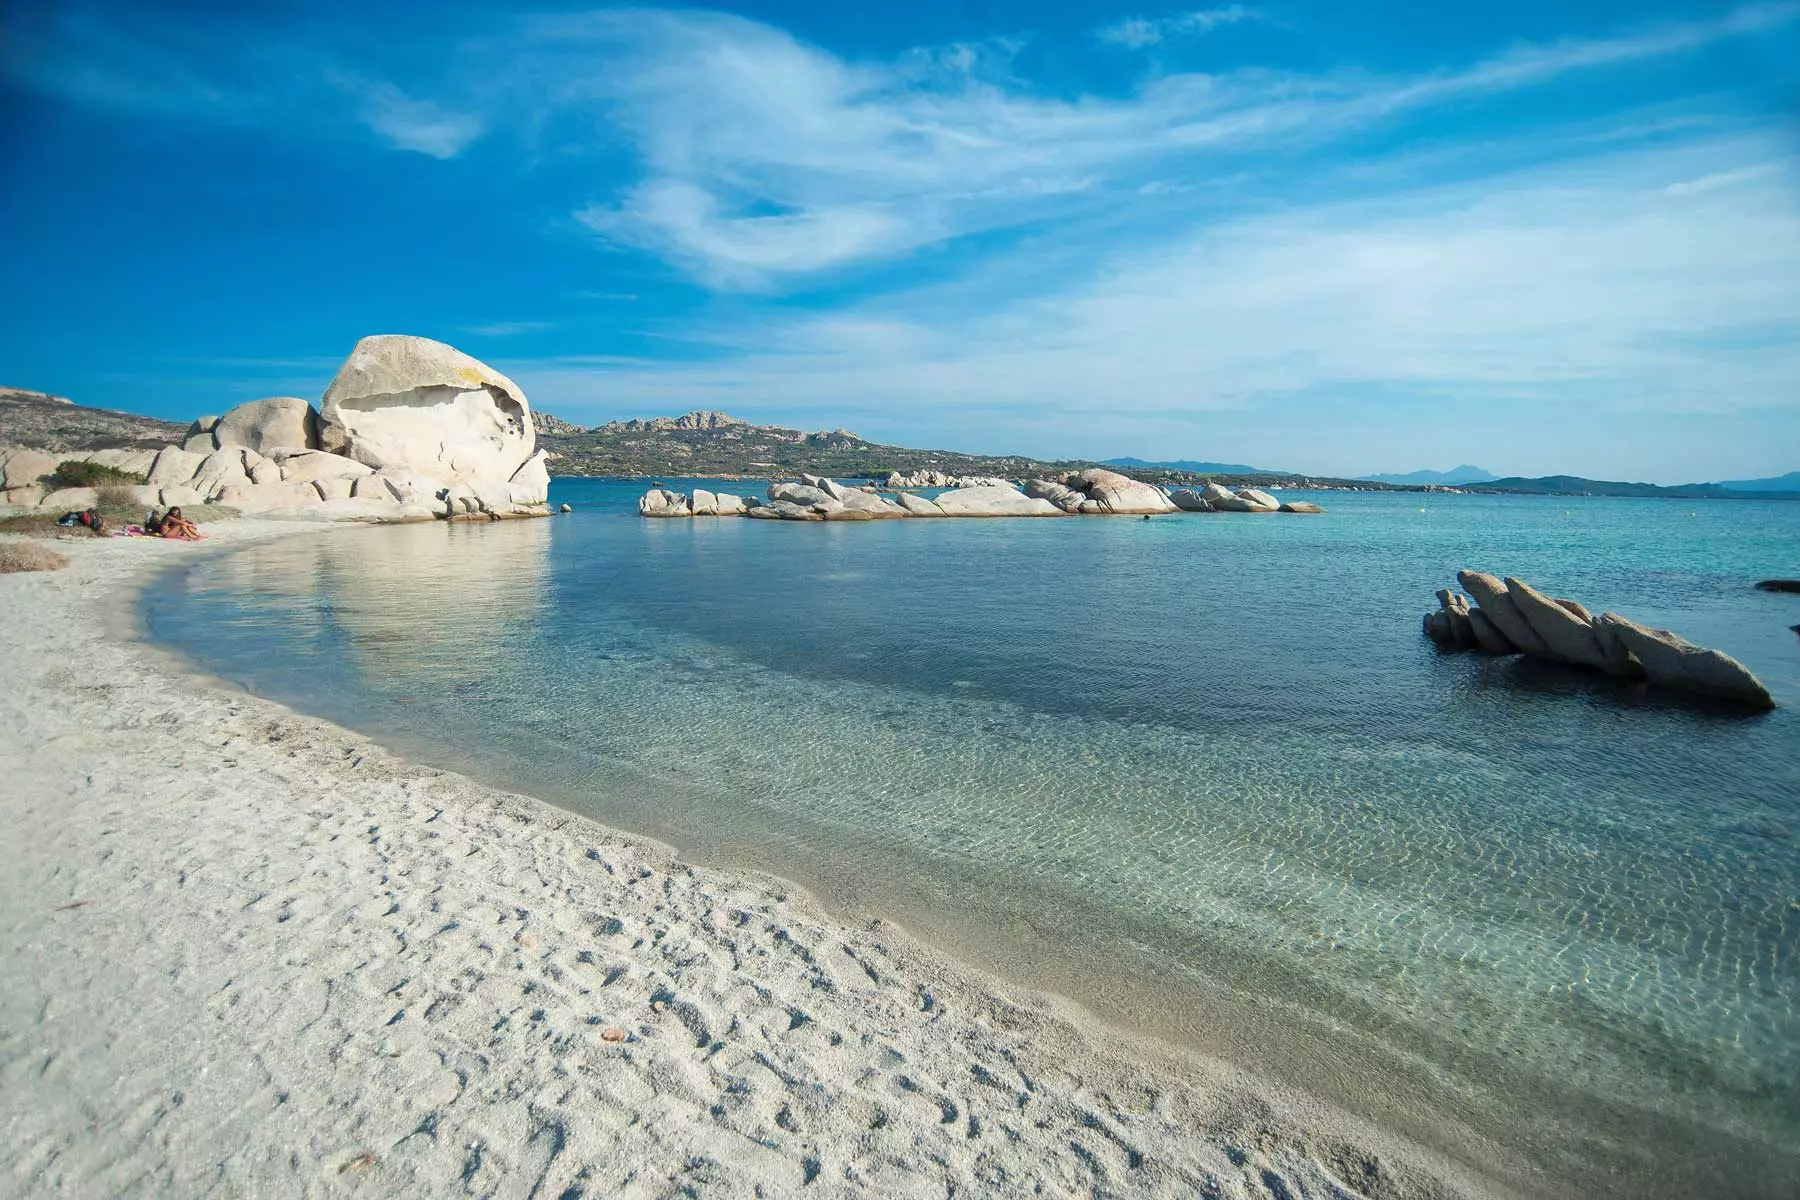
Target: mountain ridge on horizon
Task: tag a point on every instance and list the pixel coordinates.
(1466, 473)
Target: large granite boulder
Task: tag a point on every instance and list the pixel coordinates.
(24, 468)
(1300, 506)
(277, 423)
(730, 505)
(803, 494)
(1060, 494)
(1490, 593)
(261, 497)
(1677, 663)
(133, 462)
(990, 501)
(785, 510)
(199, 438)
(413, 406)
(1488, 635)
(660, 502)
(174, 466)
(918, 506)
(309, 465)
(1111, 492)
(1190, 501)
(1261, 499)
(219, 469)
(530, 484)
(65, 499)
(1568, 635)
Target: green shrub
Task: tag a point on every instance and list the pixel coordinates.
(77, 473)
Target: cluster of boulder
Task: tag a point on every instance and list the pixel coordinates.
(1216, 498)
(410, 429)
(1095, 491)
(1510, 616)
(937, 479)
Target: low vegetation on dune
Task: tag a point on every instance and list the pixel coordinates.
(28, 556)
(77, 472)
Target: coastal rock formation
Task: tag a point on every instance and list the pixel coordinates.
(1568, 635)
(1300, 506)
(995, 500)
(1111, 492)
(1675, 662)
(1513, 617)
(919, 506)
(411, 429)
(815, 498)
(659, 502)
(414, 406)
(278, 423)
(22, 468)
(1491, 595)
(1250, 500)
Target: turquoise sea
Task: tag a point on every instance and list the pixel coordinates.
(1201, 773)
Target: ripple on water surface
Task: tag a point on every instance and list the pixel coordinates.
(1212, 752)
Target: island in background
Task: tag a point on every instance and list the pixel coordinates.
(715, 445)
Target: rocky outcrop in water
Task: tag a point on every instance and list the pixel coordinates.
(411, 429)
(1512, 617)
(813, 498)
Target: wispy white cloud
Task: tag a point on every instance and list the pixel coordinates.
(766, 160)
(406, 122)
(509, 328)
(1136, 33)
(1509, 308)
(757, 161)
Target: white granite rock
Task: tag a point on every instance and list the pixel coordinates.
(422, 406)
(277, 423)
(995, 501)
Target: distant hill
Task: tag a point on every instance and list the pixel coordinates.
(1188, 465)
(1575, 485)
(1455, 475)
(1779, 483)
(703, 444)
(46, 422)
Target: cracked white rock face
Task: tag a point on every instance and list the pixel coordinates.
(414, 407)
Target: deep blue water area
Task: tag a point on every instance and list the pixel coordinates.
(1202, 773)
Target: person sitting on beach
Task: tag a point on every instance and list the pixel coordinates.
(174, 525)
(153, 523)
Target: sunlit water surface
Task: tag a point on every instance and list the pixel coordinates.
(1201, 773)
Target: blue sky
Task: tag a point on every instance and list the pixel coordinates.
(1540, 237)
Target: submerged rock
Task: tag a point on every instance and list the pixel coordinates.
(1513, 617)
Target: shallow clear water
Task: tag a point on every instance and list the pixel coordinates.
(1201, 772)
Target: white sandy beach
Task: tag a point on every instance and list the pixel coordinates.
(249, 953)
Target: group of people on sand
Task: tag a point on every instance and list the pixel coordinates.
(171, 524)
